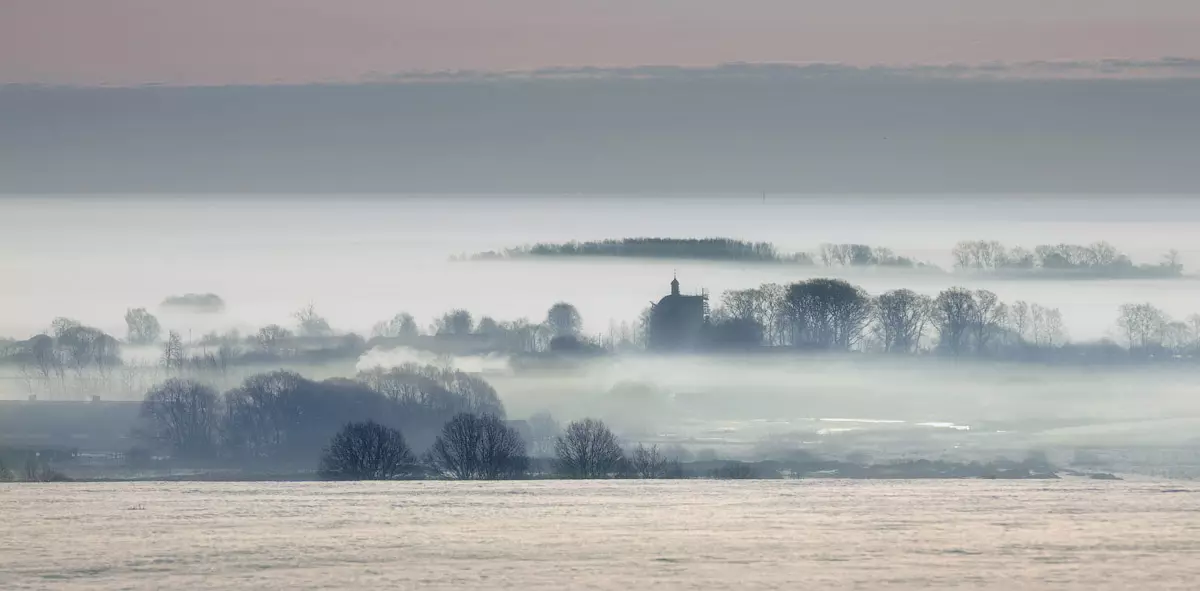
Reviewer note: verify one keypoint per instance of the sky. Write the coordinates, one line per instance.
(219, 42)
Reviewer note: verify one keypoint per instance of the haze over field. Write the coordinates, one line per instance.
(547, 535)
(616, 294)
(360, 259)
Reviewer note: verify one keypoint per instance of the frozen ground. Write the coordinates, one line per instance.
(625, 535)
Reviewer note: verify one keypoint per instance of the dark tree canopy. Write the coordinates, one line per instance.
(366, 451)
(283, 418)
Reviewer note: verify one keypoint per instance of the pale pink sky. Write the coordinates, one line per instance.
(265, 41)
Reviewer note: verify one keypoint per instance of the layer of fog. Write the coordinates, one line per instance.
(361, 260)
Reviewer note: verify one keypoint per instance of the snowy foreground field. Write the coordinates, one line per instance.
(627, 535)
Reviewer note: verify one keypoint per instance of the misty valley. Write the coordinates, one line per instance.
(812, 378)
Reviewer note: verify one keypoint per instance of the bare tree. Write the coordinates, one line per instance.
(1194, 326)
(519, 335)
(262, 413)
(142, 327)
(827, 313)
(587, 449)
(1176, 336)
(366, 451)
(955, 312)
(1054, 331)
(172, 356)
(980, 255)
(182, 415)
(776, 319)
(900, 318)
(47, 361)
(1019, 320)
(1143, 324)
(745, 304)
(310, 323)
(990, 315)
(648, 462)
(474, 447)
(564, 320)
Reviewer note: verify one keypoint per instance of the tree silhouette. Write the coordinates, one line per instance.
(587, 449)
(366, 451)
(182, 415)
(648, 462)
(900, 319)
(827, 313)
(955, 312)
(474, 447)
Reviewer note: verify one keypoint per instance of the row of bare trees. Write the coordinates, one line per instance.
(1149, 330)
(71, 359)
(483, 447)
(1099, 258)
(834, 315)
(863, 255)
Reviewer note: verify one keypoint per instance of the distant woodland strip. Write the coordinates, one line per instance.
(1099, 260)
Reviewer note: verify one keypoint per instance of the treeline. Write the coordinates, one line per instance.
(862, 255)
(712, 249)
(368, 427)
(1099, 260)
(483, 446)
(74, 360)
(834, 315)
(280, 418)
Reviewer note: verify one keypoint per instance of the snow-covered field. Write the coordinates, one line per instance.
(627, 535)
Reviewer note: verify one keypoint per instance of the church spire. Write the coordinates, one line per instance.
(674, 284)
